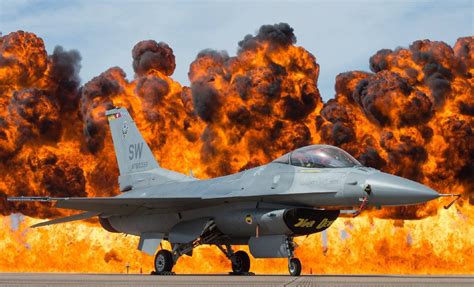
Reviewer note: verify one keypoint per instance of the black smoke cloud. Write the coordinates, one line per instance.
(96, 97)
(66, 66)
(278, 35)
(149, 55)
(35, 113)
(257, 90)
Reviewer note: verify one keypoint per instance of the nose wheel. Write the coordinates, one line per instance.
(294, 266)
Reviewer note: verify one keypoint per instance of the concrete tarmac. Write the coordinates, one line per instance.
(62, 279)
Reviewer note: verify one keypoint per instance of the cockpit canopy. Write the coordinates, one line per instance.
(319, 156)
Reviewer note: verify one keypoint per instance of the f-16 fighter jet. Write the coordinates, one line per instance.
(300, 193)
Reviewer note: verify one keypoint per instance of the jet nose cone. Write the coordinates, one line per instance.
(389, 189)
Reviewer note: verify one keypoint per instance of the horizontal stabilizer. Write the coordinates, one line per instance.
(75, 217)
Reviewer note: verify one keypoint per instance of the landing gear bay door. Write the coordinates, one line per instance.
(272, 246)
(187, 231)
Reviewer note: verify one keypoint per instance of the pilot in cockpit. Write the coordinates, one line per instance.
(319, 156)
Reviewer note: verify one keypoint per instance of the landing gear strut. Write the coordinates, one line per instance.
(165, 259)
(294, 264)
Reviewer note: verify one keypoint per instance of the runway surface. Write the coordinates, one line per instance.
(61, 279)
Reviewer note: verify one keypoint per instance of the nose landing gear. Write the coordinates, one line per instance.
(294, 264)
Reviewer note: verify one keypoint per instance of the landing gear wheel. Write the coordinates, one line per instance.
(294, 266)
(240, 262)
(163, 261)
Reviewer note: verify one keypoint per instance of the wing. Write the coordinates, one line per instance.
(124, 205)
(116, 205)
(107, 206)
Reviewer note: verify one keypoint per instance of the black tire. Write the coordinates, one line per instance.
(163, 261)
(240, 262)
(294, 267)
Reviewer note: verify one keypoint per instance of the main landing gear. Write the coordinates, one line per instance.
(164, 263)
(240, 260)
(164, 259)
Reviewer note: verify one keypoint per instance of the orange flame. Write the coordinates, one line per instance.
(411, 116)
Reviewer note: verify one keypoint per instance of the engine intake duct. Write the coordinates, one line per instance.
(262, 222)
(302, 221)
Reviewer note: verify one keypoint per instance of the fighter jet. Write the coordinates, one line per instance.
(300, 193)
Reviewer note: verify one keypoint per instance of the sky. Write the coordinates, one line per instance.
(342, 35)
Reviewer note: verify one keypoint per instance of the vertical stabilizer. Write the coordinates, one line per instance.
(138, 167)
(132, 152)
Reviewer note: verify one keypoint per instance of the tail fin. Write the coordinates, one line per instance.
(137, 165)
(132, 152)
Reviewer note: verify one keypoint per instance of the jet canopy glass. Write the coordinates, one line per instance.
(319, 156)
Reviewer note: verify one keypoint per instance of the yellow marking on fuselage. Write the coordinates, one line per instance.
(325, 223)
(303, 222)
(248, 219)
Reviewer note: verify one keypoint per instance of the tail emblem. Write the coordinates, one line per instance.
(125, 128)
